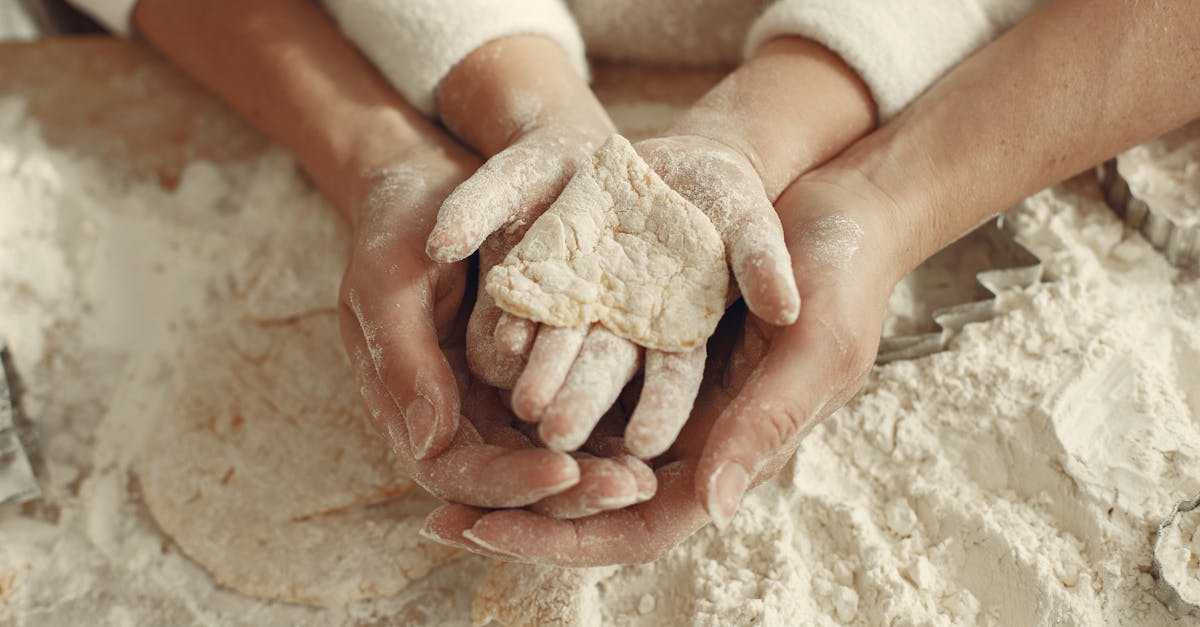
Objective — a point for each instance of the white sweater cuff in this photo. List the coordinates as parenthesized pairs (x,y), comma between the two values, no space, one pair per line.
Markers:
(415,43)
(112,14)
(898,48)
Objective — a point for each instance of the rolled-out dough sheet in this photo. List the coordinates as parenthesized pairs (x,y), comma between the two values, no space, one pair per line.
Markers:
(264,469)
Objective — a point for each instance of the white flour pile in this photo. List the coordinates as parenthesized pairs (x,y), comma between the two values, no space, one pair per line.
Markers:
(1015,479)
(1165,173)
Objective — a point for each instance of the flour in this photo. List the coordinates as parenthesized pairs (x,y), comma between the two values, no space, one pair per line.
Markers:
(1015,479)
(1165,173)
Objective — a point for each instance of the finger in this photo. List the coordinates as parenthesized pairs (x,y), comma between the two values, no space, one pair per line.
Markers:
(512,185)
(638,534)
(403,345)
(469,471)
(727,188)
(605,364)
(606,441)
(446,524)
(761,264)
(669,389)
(604,484)
(608,448)
(514,334)
(493,366)
(550,359)
(802,373)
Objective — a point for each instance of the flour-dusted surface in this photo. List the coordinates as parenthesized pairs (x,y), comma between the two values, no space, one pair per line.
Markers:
(621,248)
(1015,479)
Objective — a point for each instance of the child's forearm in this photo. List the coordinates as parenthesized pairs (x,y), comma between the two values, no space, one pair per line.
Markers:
(513,85)
(790,107)
(1071,85)
(284,66)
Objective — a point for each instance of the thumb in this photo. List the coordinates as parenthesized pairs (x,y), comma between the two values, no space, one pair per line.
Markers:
(513,185)
(401,343)
(808,369)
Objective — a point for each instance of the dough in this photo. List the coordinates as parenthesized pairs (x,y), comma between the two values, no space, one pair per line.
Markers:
(621,248)
(265,470)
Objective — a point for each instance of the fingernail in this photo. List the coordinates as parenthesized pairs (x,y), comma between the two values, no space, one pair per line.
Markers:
(725,491)
(424,532)
(643,476)
(470,535)
(421,420)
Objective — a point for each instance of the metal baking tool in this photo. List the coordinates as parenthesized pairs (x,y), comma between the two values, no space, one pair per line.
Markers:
(1175,161)
(1008,264)
(1163,589)
(17,481)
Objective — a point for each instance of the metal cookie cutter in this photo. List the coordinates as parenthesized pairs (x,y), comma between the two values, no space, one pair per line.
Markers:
(1163,589)
(1173,161)
(17,481)
(1009,264)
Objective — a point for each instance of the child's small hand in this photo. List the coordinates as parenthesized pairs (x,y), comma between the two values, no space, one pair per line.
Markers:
(574,375)
(518,101)
(791,106)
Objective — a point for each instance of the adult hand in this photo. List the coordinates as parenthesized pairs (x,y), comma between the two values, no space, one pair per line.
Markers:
(402,320)
(330,109)
(766,387)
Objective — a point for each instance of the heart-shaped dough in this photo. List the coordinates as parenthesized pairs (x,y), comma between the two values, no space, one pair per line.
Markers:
(621,248)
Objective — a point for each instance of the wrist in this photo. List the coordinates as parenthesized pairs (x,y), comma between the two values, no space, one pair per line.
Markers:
(380,146)
(514,86)
(844,204)
(790,107)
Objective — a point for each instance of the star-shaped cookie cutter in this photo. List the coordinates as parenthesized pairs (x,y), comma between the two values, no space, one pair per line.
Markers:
(1179,242)
(1163,590)
(18,483)
(1012,266)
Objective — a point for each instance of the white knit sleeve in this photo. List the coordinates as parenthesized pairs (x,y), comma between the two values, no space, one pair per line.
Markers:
(112,14)
(898,47)
(415,43)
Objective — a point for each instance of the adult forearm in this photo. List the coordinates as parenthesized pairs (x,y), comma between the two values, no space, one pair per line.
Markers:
(286,68)
(1071,85)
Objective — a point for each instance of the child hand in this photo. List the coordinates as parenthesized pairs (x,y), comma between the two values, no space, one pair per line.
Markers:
(519,101)
(731,155)
(574,375)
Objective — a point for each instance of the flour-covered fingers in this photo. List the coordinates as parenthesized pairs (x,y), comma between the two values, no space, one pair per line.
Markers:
(471,470)
(637,534)
(493,366)
(722,182)
(514,185)
(761,263)
(669,387)
(515,335)
(604,484)
(604,365)
(446,524)
(403,346)
(554,351)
